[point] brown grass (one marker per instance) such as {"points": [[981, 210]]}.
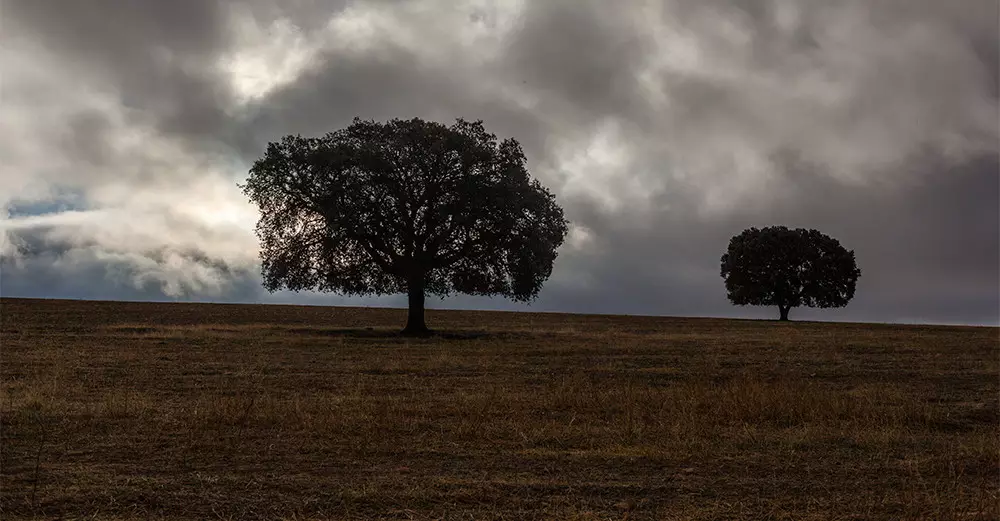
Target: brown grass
{"points": [[186, 411]]}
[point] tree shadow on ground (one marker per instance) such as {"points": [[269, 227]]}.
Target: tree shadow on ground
{"points": [[378, 333]]}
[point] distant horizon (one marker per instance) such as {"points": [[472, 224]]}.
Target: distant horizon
{"points": [[402, 309]]}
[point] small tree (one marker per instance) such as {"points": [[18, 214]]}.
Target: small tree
{"points": [[405, 206], [776, 266]]}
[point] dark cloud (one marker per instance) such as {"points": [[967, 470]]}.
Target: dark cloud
{"points": [[579, 57], [158, 57], [665, 127], [928, 254]]}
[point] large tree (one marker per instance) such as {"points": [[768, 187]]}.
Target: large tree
{"points": [[404, 206], [777, 266]]}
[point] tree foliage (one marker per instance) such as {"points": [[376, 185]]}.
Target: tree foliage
{"points": [[777, 266], [404, 206]]}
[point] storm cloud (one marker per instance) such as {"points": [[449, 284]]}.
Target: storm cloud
{"points": [[664, 128]]}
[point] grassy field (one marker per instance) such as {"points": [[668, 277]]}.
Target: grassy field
{"points": [[194, 411]]}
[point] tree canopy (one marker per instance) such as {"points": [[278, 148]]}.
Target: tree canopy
{"points": [[404, 206], [777, 266]]}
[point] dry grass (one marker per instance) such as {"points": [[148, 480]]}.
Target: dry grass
{"points": [[185, 411]]}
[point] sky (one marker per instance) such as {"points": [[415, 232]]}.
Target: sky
{"points": [[664, 127]]}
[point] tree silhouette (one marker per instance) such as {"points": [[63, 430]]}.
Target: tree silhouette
{"points": [[776, 266], [404, 206]]}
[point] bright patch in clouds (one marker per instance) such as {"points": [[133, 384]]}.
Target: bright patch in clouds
{"points": [[267, 55], [598, 166], [271, 53]]}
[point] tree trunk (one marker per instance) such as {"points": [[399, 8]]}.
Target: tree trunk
{"points": [[784, 311], [415, 325]]}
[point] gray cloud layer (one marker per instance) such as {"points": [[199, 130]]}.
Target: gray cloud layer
{"points": [[664, 127]]}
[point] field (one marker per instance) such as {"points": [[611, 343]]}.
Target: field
{"points": [[195, 411]]}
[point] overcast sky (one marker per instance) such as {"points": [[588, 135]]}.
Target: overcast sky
{"points": [[663, 127]]}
